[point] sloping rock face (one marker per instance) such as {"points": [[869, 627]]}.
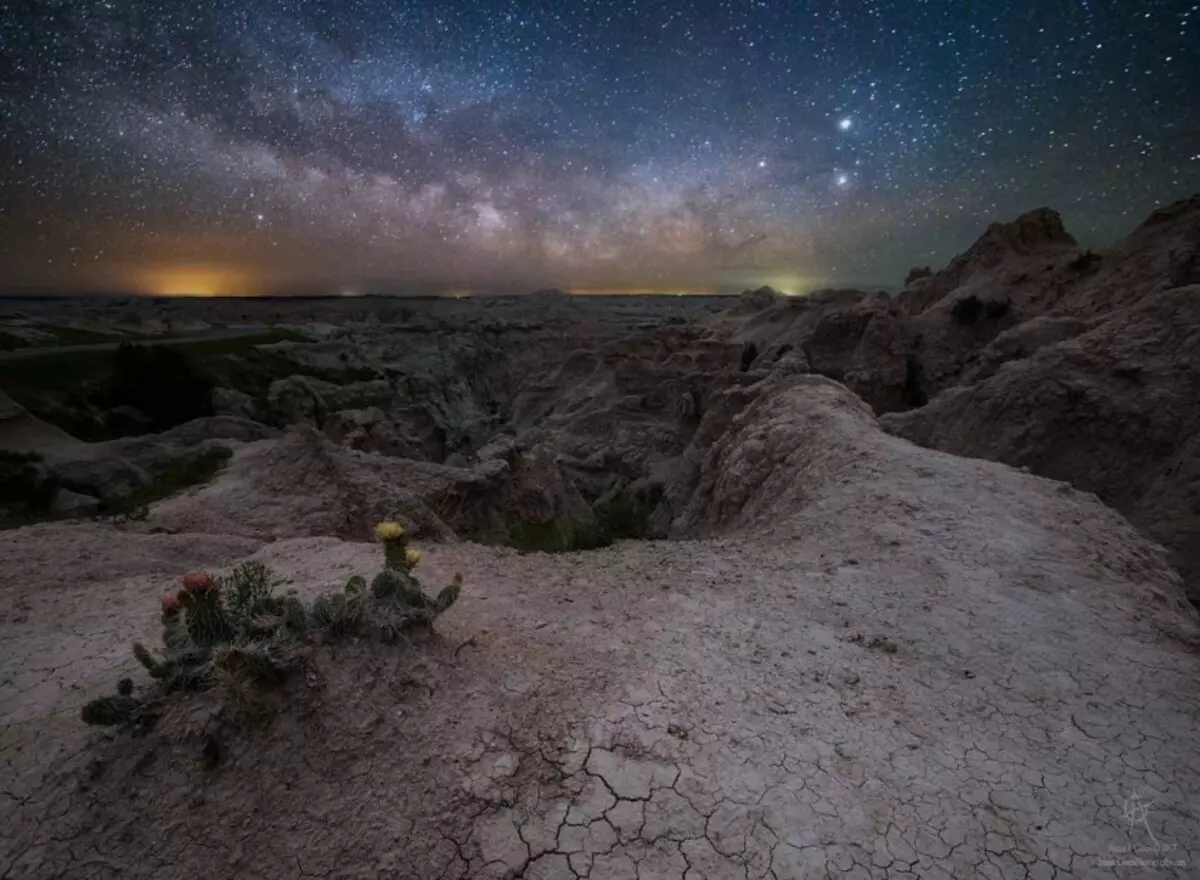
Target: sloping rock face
{"points": [[1022, 341], [847, 335], [21, 431], [1027, 245], [304, 484], [625, 410], [1113, 411], [1018, 272], [441, 395], [756, 466], [91, 475], [1162, 253], [517, 496]]}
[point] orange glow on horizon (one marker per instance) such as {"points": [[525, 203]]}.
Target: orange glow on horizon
{"points": [[196, 281]]}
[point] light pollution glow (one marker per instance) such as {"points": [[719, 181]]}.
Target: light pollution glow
{"points": [[196, 281]]}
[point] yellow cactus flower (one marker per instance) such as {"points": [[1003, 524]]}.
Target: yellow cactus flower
{"points": [[412, 557], [389, 531]]}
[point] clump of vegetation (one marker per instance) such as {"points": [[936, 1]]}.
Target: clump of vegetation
{"points": [[626, 514], [971, 308], [1085, 262], [192, 470], [235, 633], [551, 536], [617, 515], [916, 274], [79, 390]]}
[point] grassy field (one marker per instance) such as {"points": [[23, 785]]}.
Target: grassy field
{"points": [[72, 389], [60, 336], [217, 359]]}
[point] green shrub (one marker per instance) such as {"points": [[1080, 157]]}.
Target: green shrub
{"points": [[619, 515], [916, 274], [193, 470], [236, 633], [551, 536], [1085, 262], [626, 514]]}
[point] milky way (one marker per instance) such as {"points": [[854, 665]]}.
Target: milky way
{"points": [[236, 146]]}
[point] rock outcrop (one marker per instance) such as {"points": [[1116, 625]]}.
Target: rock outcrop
{"points": [[21, 431], [92, 476], [1112, 410], [1079, 365]]}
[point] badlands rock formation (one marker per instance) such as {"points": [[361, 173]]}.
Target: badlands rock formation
{"points": [[1079, 365], [852, 655], [1100, 387]]}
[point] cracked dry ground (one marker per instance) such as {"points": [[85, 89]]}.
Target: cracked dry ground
{"points": [[933, 667]]}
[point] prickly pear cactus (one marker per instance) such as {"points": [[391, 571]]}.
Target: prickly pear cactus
{"points": [[394, 583], [231, 631], [449, 594], [205, 619], [111, 711], [395, 544], [156, 667], [294, 616]]}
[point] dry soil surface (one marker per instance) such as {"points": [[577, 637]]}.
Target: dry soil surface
{"points": [[919, 666]]}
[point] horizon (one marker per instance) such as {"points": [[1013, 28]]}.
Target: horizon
{"points": [[427, 149]]}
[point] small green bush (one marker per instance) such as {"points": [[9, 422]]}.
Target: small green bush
{"points": [[236, 633], [971, 308], [916, 274], [551, 536], [1085, 262], [188, 472], [626, 514], [622, 514]]}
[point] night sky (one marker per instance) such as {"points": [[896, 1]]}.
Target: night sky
{"points": [[324, 146]]}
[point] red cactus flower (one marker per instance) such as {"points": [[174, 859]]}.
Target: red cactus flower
{"points": [[170, 603], [197, 582]]}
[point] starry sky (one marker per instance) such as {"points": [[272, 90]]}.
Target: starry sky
{"points": [[326, 146]]}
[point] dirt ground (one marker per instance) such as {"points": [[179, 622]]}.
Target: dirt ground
{"points": [[914, 665]]}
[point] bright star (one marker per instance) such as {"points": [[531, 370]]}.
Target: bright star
{"points": [[845, 123], [842, 180], [762, 163]]}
